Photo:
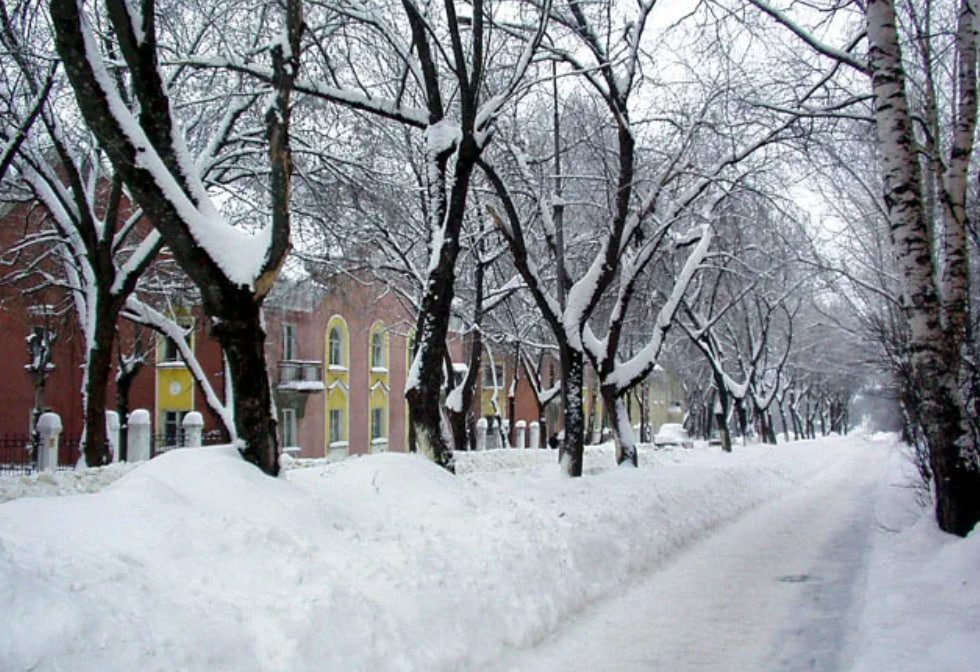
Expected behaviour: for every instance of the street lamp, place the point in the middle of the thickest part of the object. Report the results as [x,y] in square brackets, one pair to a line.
[39,344]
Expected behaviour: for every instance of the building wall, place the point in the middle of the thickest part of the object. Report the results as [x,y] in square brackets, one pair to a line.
[352,386]
[22,308]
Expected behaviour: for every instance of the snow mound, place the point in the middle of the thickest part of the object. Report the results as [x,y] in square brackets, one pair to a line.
[922,603]
[69,482]
[196,561]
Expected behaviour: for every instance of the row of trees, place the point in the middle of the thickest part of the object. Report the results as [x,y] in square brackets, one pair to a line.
[575,178]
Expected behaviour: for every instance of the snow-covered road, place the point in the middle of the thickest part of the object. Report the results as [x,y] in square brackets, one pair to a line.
[779,589]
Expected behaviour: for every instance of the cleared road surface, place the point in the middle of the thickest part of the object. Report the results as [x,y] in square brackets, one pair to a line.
[778,589]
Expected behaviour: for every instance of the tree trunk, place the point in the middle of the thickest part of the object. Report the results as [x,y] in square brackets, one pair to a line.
[242,340]
[99,363]
[956,471]
[782,419]
[572,448]
[620,421]
[124,384]
[742,417]
[725,404]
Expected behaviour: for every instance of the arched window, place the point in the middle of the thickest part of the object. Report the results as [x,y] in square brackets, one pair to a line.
[378,343]
[337,381]
[377,349]
[336,347]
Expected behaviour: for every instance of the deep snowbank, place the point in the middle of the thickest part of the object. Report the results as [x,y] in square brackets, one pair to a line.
[195,561]
[922,603]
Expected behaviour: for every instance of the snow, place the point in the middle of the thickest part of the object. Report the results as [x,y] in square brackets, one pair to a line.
[303,386]
[240,255]
[442,136]
[69,482]
[196,561]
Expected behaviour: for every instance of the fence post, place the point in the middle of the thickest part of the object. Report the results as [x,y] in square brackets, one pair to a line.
[112,433]
[193,428]
[139,435]
[520,428]
[535,440]
[49,427]
[481,434]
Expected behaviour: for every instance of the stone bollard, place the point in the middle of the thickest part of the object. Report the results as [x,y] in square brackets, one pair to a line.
[193,428]
[139,435]
[112,433]
[519,430]
[481,434]
[49,427]
[535,440]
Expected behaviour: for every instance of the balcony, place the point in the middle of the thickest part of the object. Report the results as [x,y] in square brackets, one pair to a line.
[301,376]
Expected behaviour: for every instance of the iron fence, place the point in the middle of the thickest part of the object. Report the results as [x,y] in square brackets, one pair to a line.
[161,443]
[17,457]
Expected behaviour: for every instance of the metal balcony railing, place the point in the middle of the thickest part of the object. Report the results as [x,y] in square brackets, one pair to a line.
[301,375]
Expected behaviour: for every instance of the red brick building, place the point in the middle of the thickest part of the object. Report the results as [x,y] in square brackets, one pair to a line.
[338,361]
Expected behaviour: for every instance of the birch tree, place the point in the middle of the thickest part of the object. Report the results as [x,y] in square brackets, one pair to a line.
[929,245]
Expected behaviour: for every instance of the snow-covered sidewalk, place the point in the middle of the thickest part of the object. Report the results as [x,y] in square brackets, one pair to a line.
[195,561]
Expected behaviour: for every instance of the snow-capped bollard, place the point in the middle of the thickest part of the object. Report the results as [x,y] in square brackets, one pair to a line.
[519,432]
[112,433]
[535,439]
[193,428]
[481,434]
[139,435]
[49,427]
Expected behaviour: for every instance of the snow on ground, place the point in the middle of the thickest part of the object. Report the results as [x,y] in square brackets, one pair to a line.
[196,561]
[67,482]
[922,611]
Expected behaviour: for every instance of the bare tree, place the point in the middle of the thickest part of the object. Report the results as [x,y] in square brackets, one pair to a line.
[101,243]
[233,270]
[635,196]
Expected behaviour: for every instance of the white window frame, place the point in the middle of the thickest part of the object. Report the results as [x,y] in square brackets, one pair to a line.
[290,429]
[378,350]
[335,429]
[289,344]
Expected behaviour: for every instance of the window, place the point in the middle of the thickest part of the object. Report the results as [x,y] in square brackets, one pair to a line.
[377,424]
[378,350]
[336,426]
[493,376]
[169,352]
[172,421]
[336,347]
[289,342]
[289,438]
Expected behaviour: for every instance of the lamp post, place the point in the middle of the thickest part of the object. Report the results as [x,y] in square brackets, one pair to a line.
[39,344]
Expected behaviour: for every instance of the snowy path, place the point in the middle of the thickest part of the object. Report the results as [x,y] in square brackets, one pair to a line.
[779,589]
